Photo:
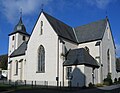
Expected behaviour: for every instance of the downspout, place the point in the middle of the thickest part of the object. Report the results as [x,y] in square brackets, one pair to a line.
[63,75]
[101,65]
[93,75]
[57,78]
[63,45]
[21,71]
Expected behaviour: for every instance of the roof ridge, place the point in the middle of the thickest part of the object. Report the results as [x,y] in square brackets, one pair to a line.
[75,35]
[57,19]
[91,22]
[61,28]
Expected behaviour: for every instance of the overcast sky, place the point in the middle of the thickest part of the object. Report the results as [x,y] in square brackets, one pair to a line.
[71,12]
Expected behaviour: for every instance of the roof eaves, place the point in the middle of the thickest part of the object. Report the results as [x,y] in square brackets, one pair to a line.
[111,32]
[19,32]
[68,39]
[75,34]
[94,66]
[90,41]
[17,55]
[35,23]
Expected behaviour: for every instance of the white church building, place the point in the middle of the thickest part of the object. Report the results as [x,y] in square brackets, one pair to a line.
[59,54]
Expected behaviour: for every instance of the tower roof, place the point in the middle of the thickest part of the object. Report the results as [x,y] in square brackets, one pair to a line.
[20,28]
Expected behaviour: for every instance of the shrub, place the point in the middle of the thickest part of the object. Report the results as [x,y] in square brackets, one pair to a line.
[99,85]
[115,81]
[91,85]
[119,80]
[106,83]
[108,80]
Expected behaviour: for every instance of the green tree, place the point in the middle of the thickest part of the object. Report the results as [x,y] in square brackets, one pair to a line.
[3,61]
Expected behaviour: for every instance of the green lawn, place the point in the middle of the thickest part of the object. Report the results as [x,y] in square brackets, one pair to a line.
[6,87]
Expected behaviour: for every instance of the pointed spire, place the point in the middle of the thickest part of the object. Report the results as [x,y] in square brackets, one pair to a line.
[20,21]
[20,28]
[21,12]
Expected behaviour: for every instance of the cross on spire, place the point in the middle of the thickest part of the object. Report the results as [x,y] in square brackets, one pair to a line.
[106,14]
[21,12]
[42,6]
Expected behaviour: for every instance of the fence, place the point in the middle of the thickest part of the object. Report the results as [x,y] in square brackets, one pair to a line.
[38,83]
[33,83]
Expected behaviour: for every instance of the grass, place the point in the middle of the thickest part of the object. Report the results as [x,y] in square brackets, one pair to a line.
[4,87]
[7,87]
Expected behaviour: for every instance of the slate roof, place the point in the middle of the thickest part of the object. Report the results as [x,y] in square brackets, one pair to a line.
[79,57]
[61,28]
[21,29]
[92,31]
[20,50]
[89,32]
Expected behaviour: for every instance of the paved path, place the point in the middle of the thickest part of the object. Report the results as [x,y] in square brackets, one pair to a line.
[110,87]
[57,91]
[95,90]
[106,89]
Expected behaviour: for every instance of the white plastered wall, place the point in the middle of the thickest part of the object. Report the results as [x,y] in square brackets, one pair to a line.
[81,76]
[107,43]
[94,51]
[21,68]
[49,40]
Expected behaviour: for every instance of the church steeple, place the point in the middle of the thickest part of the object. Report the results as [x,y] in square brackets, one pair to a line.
[20,21]
[21,13]
[19,28]
[18,36]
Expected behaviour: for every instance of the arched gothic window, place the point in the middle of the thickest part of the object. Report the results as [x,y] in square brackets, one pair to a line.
[41,59]
[16,67]
[108,60]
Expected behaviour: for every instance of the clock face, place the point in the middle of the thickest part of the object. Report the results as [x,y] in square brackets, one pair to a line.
[18,27]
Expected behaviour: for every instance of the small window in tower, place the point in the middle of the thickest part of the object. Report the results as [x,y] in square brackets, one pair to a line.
[24,38]
[41,28]
[13,38]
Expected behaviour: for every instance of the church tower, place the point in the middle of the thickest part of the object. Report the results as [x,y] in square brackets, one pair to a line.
[17,37]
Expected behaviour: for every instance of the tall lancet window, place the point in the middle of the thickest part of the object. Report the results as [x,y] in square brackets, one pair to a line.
[16,67]
[41,28]
[108,60]
[41,59]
